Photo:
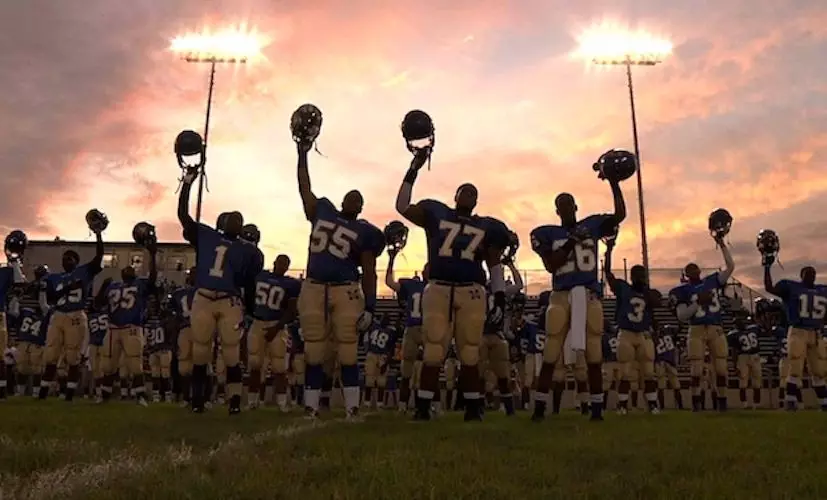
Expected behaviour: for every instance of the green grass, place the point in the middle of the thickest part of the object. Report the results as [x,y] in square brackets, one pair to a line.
[120,451]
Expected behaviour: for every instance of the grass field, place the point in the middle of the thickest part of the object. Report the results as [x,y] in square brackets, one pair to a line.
[120,451]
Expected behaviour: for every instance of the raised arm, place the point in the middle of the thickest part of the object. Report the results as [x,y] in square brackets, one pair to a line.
[368,264]
[414,213]
[96,264]
[187,222]
[389,277]
[607,267]
[153,265]
[768,284]
[309,199]
[729,264]
[620,204]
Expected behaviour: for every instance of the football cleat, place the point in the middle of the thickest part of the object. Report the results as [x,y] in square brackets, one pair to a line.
[615,165]
[310,413]
[720,222]
[251,233]
[418,132]
[15,244]
[97,221]
[306,124]
[144,234]
[396,235]
[511,250]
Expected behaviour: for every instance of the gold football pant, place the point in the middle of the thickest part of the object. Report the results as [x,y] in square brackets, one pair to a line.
[749,371]
[703,338]
[159,363]
[29,359]
[375,376]
[667,376]
[558,321]
[96,360]
[298,369]
[805,346]
[185,351]
[214,312]
[456,312]
[494,356]
[66,334]
[129,341]
[262,354]
[612,374]
[637,348]
[329,313]
[410,348]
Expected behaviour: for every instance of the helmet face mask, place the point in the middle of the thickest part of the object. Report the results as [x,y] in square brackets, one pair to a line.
[97,221]
[720,222]
[144,234]
[396,236]
[616,165]
[418,132]
[306,124]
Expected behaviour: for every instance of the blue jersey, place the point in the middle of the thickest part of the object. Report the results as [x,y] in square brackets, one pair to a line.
[98,327]
[273,293]
[457,244]
[223,265]
[687,294]
[337,244]
[381,341]
[632,310]
[182,305]
[296,339]
[29,326]
[666,349]
[610,342]
[155,336]
[410,291]
[6,282]
[127,302]
[806,307]
[581,267]
[780,335]
[745,341]
[71,289]
[533,340]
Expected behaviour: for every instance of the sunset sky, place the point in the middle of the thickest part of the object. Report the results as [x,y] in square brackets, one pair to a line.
[92,100]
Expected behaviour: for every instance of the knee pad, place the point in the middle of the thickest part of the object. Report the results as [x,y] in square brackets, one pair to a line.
[348,354]
[469,355]
[278,365]
[314,353]
[433,354]
[696,368]
[201,353]
[407,368]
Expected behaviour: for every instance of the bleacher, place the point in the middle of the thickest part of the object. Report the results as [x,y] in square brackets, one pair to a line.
[663,315]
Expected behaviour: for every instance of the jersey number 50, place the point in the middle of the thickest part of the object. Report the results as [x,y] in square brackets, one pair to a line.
[269,295]
[335,239]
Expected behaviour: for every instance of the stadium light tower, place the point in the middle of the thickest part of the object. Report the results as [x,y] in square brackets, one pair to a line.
[610,46]
[228,46]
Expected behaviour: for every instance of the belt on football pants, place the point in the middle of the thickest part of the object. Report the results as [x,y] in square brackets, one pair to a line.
[215,294]
[326,295]
[453,285]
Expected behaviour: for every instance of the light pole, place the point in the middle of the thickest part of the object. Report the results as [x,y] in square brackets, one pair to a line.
[618,47]
[229,46]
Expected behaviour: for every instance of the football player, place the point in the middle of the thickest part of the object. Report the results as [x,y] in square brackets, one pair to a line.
[68,326]
[612,370]
[226,268]
[451,369]
[158,341]
[806,305]
[409,291]
[532,344]
[574,320]
[454,302]
[98,329]
[276,297]
[31,326]
[380,343]
[331,304]
[697,302]
[181,303]
[298,364]
[635,304]
[128,300]
[666,364]
[744,342]
[10,276]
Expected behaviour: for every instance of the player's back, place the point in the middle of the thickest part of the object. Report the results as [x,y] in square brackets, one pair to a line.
[457,244]
[336,245]
[666,349]
[581,267]
[806,306]
[272,294]
[411,290]
[29,325]
[687,294]
[221,262]
[98,321]
[155,335]
[127,302]
[633,313]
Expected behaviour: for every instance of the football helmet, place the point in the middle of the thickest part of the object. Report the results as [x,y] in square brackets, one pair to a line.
[251,233]
[418,131]
[396,236]
[511,250]
[306,124]
[97,221]
[720,222]
[15,245]
[189,143]
[144,234]
[768,245]
[615,165]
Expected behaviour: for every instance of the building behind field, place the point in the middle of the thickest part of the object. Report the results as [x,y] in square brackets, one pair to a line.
[174,258]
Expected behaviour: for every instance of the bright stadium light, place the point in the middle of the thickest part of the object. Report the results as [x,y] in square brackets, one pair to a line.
[610,45]
[235,45]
